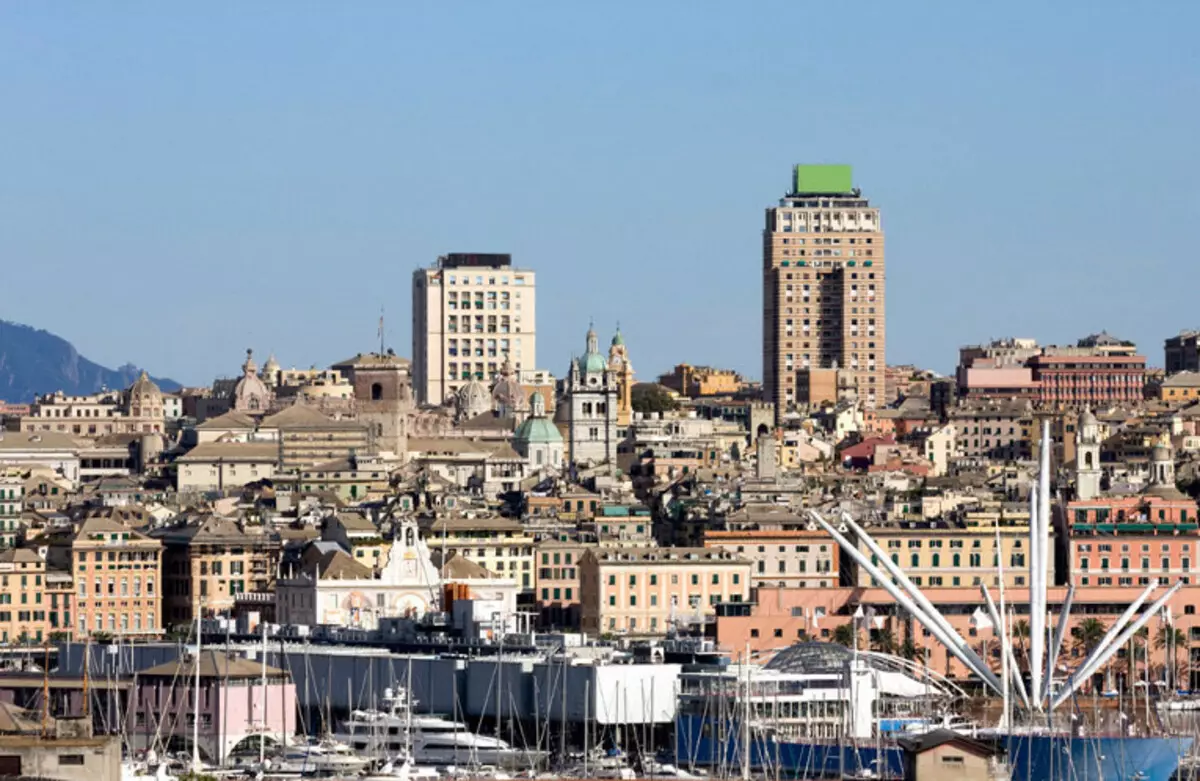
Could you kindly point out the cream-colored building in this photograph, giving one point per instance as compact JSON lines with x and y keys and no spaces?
{"x":137,"y":409}
{"x":644,"y":591}
{"x":221,"y":466}
{"x":823,"y":287}
{"x":469,"y":312}
{"x":964,"y":555}
{"x":353,"y":480}
{"x":23,"y":604}
{"x":495,"y":465}
{"x":940,"y":449}
{"x":50,"y":449}
{"x":12,"y":503}
{"x":500,"y":545}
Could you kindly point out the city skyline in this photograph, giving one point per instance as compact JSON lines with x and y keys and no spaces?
{"x":227,"y":191}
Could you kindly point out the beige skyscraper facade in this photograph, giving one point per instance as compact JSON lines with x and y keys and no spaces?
{"x":470,"y":310}
{"x":823,"y":287}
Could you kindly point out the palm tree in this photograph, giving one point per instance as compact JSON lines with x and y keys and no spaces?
{"x":844,"y":634}
{"x":884,"y":641}
{"x":1020,"y":638}
{"x":1171,"y":638}
{"x":908,"y":650}
{"x":1088,"y":633}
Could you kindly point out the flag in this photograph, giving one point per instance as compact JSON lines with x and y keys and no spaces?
{"x":858,"y":613}
{"x":981,"y":620}
{"x":1170,"y":619}
{"x":877,"y":621}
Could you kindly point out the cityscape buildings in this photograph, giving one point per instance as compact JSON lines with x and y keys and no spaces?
{"x":465,"y":498}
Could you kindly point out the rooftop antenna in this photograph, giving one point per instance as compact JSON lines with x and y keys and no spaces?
{"x":381,"y":350}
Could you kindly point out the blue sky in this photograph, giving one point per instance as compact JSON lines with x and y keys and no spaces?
{"x":178,"y":183}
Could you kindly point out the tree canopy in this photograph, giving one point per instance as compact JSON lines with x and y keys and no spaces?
{"x":650,"y":397}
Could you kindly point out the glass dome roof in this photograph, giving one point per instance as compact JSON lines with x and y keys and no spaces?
{"x":811,"y":658}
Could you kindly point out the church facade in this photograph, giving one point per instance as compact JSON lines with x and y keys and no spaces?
{"x":598,"y":397}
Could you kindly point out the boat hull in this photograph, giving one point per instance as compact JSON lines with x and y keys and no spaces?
{"x":709,"y":743}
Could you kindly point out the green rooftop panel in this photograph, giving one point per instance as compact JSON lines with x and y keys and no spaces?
{"x":823,"y":179}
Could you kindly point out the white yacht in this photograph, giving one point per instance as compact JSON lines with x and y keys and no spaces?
{"x":396,"y":730}
{"x":315,"y":758}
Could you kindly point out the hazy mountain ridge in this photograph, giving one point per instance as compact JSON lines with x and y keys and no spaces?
{"x":34,"y":362}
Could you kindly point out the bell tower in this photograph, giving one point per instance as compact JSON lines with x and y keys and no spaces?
{"x":382,"y":397}
{"x":1087,"y":457}
{"x":618,"y":362}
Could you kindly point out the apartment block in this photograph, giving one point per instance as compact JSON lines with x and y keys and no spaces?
{"x":1182,"y":352}
{"x":500,"y":545}
{"x":470,"y":311}
{"x":648,"y":590}
{"x":117,"y":575}
{"x":823,"y":287}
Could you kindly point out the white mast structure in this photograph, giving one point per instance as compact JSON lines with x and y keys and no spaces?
{"x":1041,"y":695}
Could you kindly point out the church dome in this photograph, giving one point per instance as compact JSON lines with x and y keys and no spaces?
{"x":473,"y":399}
{"x":1160,"y":453}
{"x":250,"y":393}
{"x":144,"y":387}
{"x":618,"y":340}
{"x":145,"y":398}
{"x":537,"y":429}
{"x":271,"y":366}
{"x":507,"y":393}
{"x":592,"y":363}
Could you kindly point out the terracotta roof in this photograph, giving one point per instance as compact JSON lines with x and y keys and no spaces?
{"x":232,"y":451}
{"x":20,"y":556}
{"x":355,"y":522}
{"x":490,"y":421}
{"x":230,"y":420}
{"x":665,"y":556}
{"x":36,"y":440}
{"x":493,"y":523}
{"x":1182,"y":380}
{"x":302,"y":416}
{"x":213,"y":664}
{"x":459,"y":568}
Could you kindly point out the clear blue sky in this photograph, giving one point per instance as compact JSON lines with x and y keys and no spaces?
{"x":179,"y":183}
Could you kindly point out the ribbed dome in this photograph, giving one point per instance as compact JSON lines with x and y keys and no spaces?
{"x":474,"y":399}
{"x":144,"y":386}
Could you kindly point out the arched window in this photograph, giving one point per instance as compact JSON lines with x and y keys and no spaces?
{"x":937,"y":559}
{"x":376,"y":392}
{"x":1087,"y":459}
{"x":957,"y":560}
{"x":916,"y":560}
{"x":410,"y":537}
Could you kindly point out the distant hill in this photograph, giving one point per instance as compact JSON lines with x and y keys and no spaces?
{"x":33,"y":362}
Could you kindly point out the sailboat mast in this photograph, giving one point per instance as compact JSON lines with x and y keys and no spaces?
{"x":196,"y":698}
{"x":262,"y":736}
{"x":1005,"y":640}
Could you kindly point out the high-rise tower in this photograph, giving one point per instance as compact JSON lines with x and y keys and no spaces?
{"x":823,"y":289}
{"x":470,"y":312}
